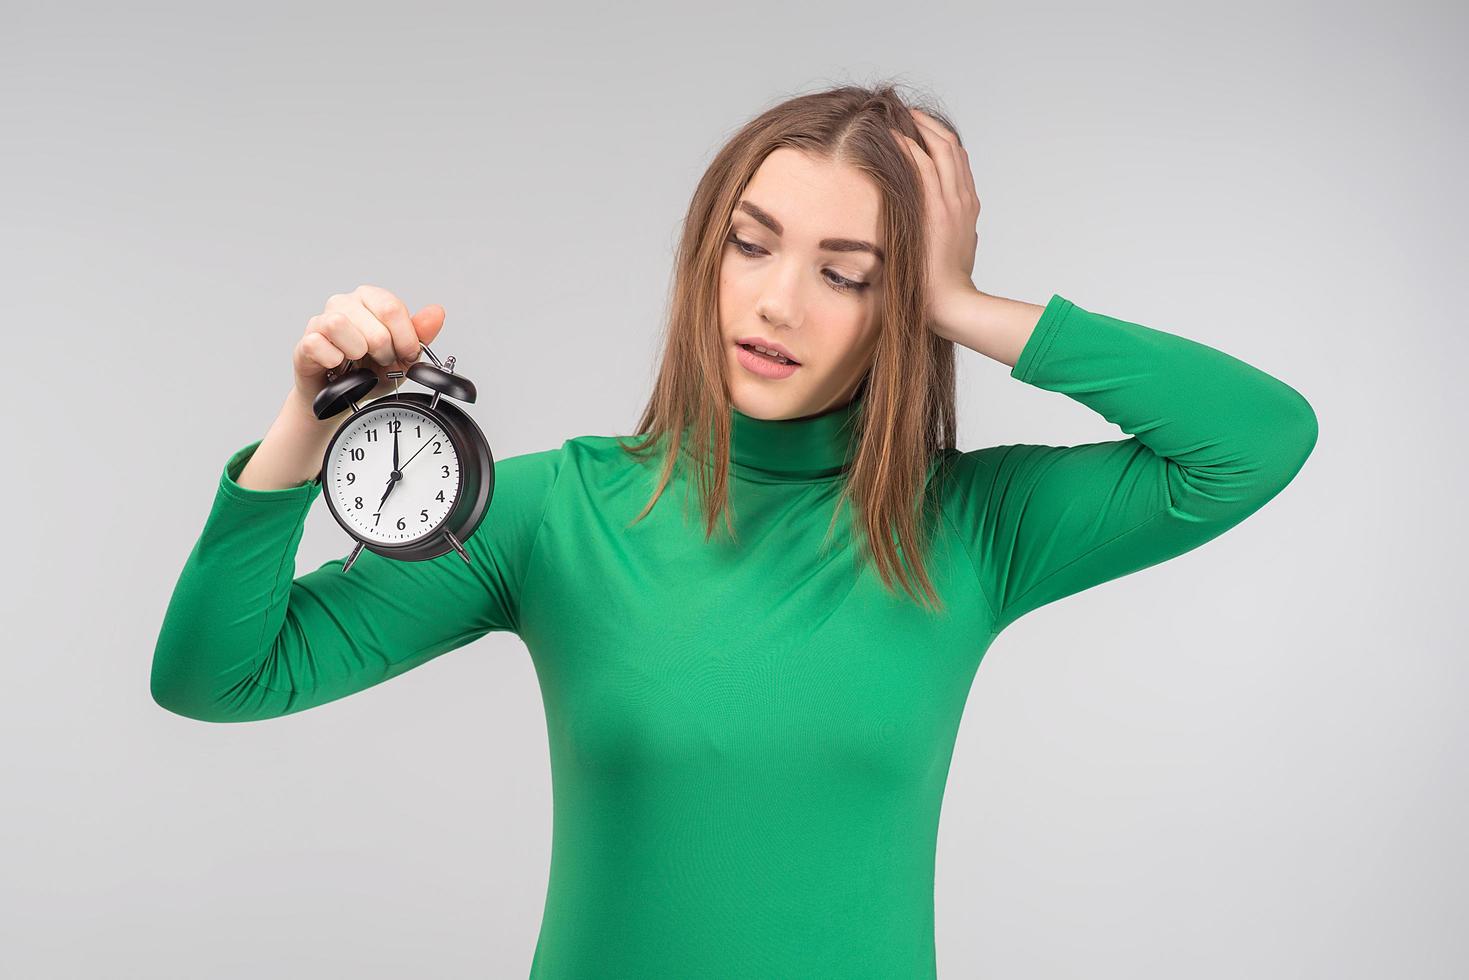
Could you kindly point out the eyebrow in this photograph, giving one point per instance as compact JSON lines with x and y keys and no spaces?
{"x":827,"y":244}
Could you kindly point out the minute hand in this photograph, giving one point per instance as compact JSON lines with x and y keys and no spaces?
{"x":415,"y":453}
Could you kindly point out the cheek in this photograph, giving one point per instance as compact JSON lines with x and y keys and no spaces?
{"x":861,"y":337}
{"x":735,"y":288}
{"x":851,"y":350}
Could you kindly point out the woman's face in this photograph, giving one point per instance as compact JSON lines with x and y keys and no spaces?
{"x":803,"y":278}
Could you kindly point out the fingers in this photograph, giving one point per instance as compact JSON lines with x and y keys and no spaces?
{"x":367,"y":322}
{"x":949,"y":202}
{"x":942,"y":147}
{"x":951,"y":161}
{"x":338,"y":330}
{"x":390,"y":311}
{"x":428,"y":322}
{"x":927,"y":172}
{"x":364,"y":334}
{"x":318,"y":353}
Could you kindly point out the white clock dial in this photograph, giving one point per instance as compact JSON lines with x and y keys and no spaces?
{"x":360,"y":471}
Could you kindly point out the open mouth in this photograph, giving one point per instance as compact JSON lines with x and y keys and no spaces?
{"x":772,"y":357}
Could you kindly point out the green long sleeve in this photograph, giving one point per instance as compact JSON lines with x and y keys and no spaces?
{"x":242,"y":640}
{"x":749,"y":740}
{"x":1212,"y":439}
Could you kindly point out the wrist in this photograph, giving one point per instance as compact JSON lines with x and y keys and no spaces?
{"x":958,"y":314}
{"x":298,"y":410}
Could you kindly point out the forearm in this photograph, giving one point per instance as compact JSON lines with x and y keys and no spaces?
{"x":1211,"y":440}
{"x":1233,"y":434}
{"x":1185,"y":400}
{"x":291,"y":452}
{"x":990,"y":325}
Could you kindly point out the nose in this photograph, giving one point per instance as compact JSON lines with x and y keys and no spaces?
{"x":780,"y":296}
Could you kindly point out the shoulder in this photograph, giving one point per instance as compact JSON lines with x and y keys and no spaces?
{"x":592,"y":459}
{"x":603,"y":453}
{"x":969,"y":483}
{"x":960,"y":469}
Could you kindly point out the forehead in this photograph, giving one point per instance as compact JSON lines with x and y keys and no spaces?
{"x":816,"y":198}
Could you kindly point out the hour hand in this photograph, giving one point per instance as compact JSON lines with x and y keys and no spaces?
{"x":392,"y":482}
{"x":395,"y":476}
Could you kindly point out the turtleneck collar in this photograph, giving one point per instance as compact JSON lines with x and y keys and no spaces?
{"x":814,"y":447}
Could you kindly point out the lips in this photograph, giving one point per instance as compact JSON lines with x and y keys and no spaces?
{"x":764,"y":367}
{"x":768,"y":345}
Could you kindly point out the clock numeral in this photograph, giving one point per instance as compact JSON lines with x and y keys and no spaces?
{"x":359,"y":453}
{"x":418,"y":431}
{"x":424,"y":518}
{"x":446,"y":471}
{"x":358,"y":505}
{"x":437,"y":446}
{"x":395,"y":425}
{"x":351,"y":478}
{"x":376,"y":517}
{"x":439,"y":496}
{"x":372,"y":435}
{"x":400,"y":524}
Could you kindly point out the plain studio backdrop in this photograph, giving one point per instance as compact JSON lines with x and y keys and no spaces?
{"x":1245,"y":762}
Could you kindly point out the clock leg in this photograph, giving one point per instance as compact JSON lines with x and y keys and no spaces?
{"x":458,"y":547}
{"x":352,"y":557}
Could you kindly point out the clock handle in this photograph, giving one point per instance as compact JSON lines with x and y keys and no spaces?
{"x":341,"y":370}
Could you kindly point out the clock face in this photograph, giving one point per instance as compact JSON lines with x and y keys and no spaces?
{"x":360,"y":475}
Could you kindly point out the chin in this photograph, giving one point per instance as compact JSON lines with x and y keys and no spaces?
{"x":765,"y":403}
{"x":768,"y":398}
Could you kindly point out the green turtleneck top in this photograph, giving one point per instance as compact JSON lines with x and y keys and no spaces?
{"x":748,"y":742}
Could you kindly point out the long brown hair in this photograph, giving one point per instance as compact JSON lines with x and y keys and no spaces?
{"x":907,"y":418}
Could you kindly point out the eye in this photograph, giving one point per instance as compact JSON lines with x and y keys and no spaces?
{"x":840,"y":283}
{"x":744,"y":247}
{"x":843,"y":283}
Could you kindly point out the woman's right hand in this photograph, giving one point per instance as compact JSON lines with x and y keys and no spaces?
{"x":368,"y":322}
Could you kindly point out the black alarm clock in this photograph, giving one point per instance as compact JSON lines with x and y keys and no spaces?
{"x":408,"y":475}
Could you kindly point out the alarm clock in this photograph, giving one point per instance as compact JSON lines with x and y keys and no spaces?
{"x":409,"y":475}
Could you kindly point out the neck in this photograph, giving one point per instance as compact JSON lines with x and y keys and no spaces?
{"x":800,"y":450}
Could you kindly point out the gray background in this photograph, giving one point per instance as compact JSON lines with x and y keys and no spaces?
{"x":1246,"y":762}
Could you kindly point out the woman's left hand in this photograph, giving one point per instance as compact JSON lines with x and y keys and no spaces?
{"x":952,"y":210}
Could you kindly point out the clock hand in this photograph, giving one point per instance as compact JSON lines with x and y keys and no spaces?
{"x":392,"y":479}
{"x":415,"y":453}
{"x":392,"y":482}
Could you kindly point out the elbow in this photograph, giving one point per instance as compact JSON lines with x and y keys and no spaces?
{"x":178,"y":697}
{"x":1294,"y":440}
{"x":1287,"y":443}
{"x":1310,"y":428}
{"x":1262,"y":466}
{"x":167,"y":697}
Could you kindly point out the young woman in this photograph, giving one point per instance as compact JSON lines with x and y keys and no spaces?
{"x":750,"y":720}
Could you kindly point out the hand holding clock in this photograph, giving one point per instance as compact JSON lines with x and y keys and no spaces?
{"x":352,"y":346}
{"x":369,"y":320}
